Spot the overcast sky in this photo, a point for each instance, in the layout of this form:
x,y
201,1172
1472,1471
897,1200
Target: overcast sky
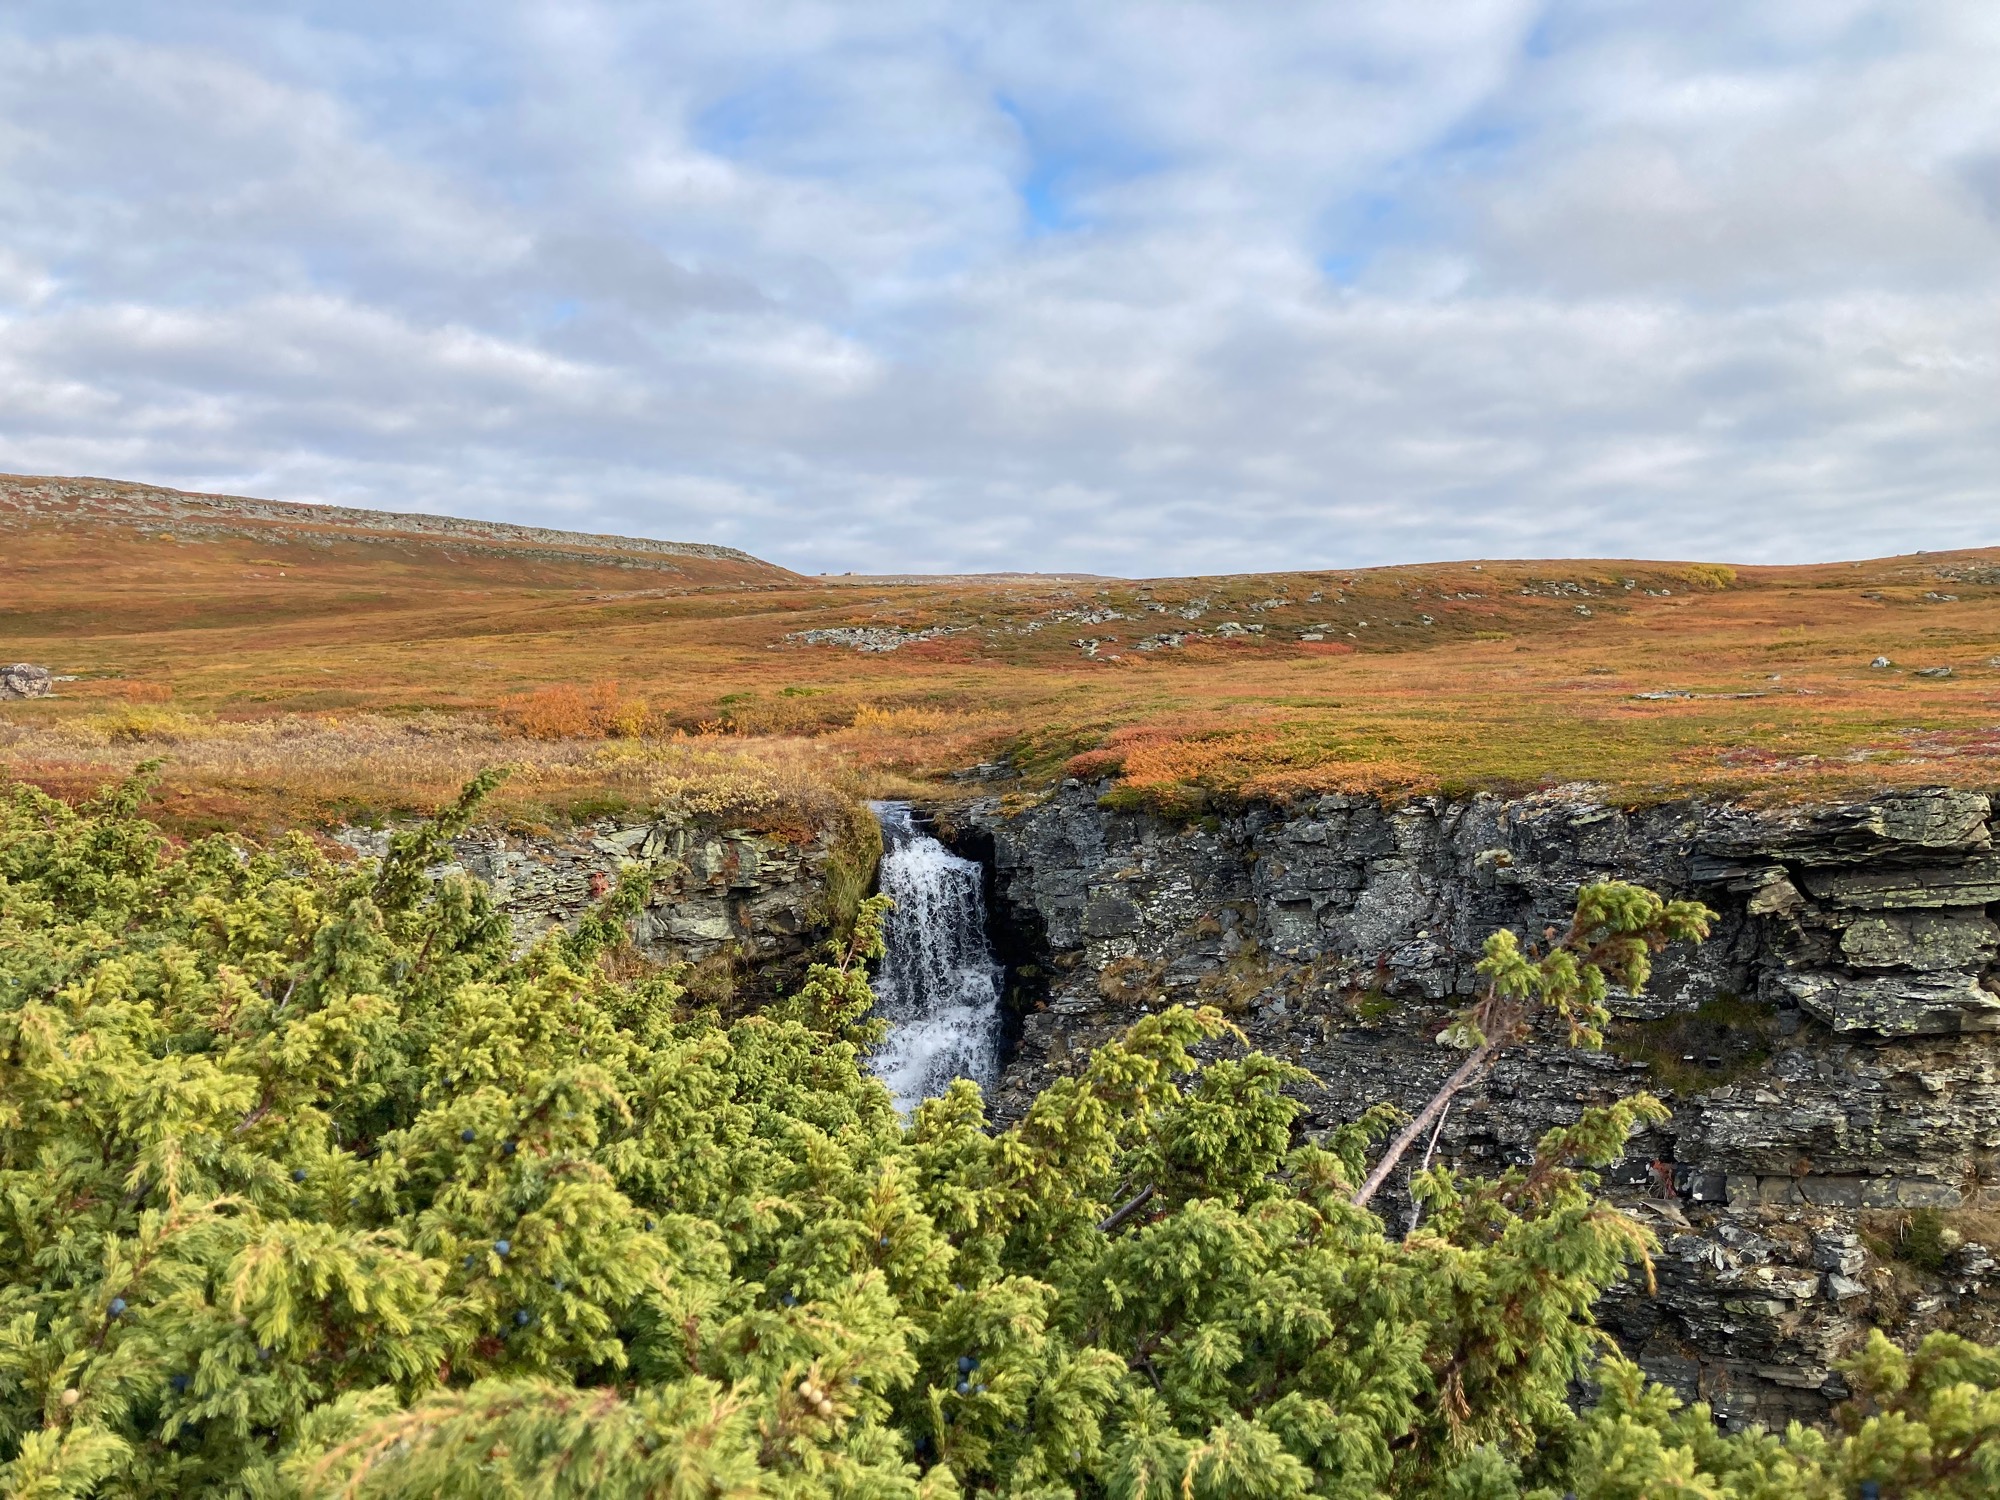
x,y
1139,288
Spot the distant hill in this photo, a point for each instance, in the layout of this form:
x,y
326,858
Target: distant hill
x,y
35,502
323,662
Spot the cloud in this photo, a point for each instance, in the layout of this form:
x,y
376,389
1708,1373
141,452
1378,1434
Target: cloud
x,y
1123,287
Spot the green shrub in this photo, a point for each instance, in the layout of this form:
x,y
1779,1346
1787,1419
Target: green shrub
x,y
308,1186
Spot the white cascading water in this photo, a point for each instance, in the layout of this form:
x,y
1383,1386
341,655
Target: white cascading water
x,y
938,987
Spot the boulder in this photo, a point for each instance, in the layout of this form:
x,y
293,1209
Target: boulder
x,y
23,680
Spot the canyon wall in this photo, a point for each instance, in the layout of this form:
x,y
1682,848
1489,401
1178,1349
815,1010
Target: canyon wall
x,y
1830,1055
728,893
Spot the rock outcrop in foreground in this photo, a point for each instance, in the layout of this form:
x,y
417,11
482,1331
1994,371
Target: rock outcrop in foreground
x,y
730,893
1831,1054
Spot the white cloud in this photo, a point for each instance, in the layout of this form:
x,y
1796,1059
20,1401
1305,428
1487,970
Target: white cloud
x,y
1127,287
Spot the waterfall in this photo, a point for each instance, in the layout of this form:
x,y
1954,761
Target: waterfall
x,y
938,987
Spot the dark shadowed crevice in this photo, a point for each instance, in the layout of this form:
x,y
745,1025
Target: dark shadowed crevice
x,y
1016,933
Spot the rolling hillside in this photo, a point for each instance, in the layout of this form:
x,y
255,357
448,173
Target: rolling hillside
x,y
325,661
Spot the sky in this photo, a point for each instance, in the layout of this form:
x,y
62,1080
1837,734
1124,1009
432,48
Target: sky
x,y
1136,288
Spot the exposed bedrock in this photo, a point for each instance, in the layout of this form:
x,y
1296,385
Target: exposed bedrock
x,y
728,893
1830,1054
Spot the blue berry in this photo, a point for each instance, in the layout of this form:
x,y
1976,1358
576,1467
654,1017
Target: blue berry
x,y
967,1364
790,1299
503,1247
508,1148
263,1352
468,1135
560,1284
964,1388
298,1174
180,1382
521,1318
117,1307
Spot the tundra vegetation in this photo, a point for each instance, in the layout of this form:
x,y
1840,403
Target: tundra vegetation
x,y
311,1186
308,677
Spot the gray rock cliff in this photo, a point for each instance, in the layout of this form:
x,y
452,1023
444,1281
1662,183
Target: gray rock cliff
x,y
728,891
1829,1055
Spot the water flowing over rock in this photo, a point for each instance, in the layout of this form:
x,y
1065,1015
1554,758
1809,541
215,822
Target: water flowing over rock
x,y
938,988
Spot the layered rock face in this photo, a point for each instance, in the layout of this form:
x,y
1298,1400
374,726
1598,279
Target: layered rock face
x,y
1830,1054
727,891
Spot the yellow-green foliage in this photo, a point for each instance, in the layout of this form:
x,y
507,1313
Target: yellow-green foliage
x,y
1709,575
309,1187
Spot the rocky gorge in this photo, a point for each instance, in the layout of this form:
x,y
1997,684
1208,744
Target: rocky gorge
x,y
1831,1055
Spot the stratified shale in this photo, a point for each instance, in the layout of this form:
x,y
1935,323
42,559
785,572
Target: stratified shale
x,y
1830,1054
722,893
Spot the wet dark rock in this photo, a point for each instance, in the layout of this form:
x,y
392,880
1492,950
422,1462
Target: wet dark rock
x,y
1826,1054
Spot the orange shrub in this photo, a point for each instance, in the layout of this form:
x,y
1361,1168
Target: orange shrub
x,y
564,711
1259,756
1093,765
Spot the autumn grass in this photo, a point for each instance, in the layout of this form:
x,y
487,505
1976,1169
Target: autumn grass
x,y
366,682
323,771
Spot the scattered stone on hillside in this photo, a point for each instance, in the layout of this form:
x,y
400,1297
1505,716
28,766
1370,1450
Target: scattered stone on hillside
x,y
24,680
173,515
1658,693
1085,616
872,637
1934,671
1880,661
